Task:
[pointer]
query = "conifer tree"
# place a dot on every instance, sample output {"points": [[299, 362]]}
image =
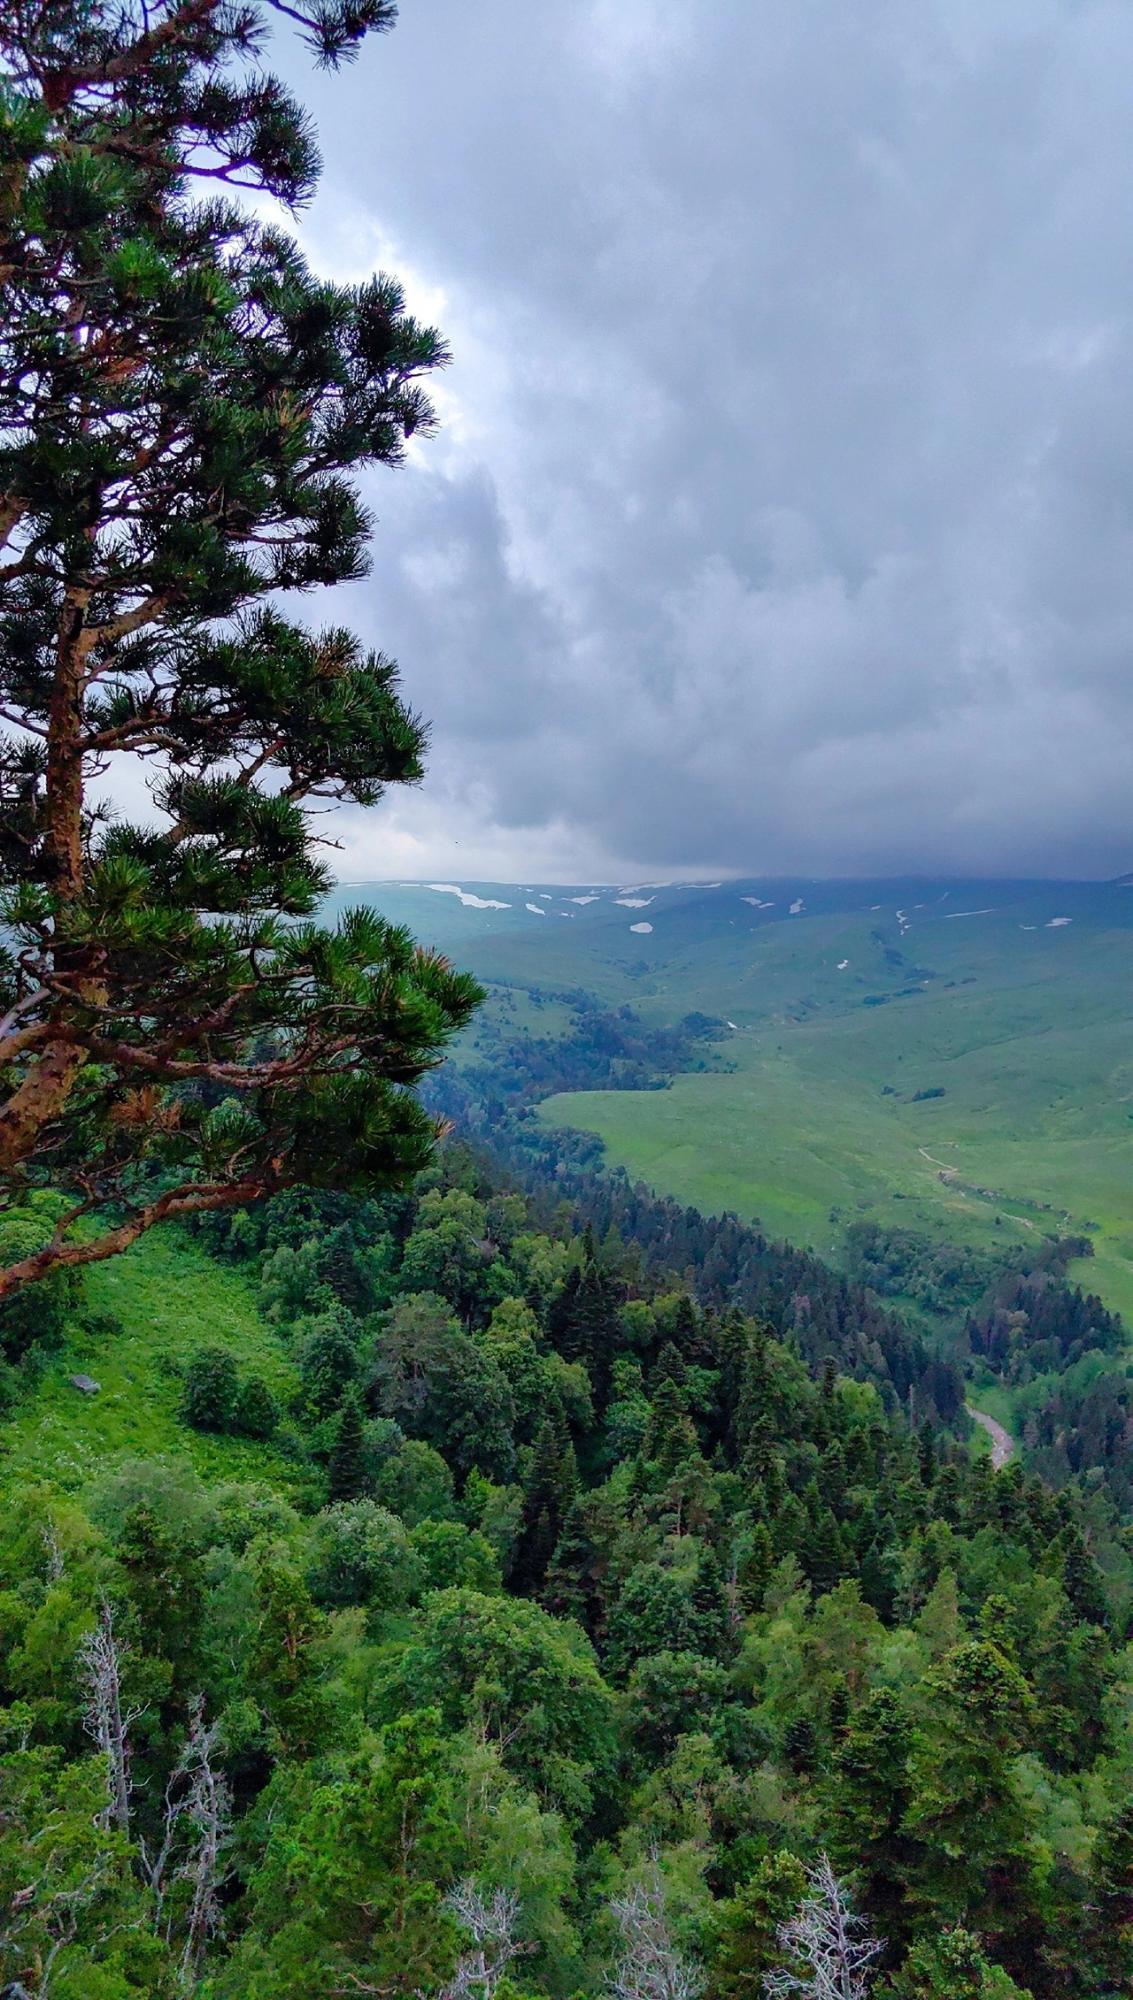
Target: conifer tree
{"points": [[548, 1497], [868, 1794], [745, 1928], [346, 1472], [670, 1437], [182, 408], [582, 1321], [754, 1566], [964, 1809], [1111, 1902], [1082, 1579], [954, 1966]]}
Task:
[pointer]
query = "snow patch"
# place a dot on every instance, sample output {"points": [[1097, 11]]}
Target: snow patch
{"points": [[951, 915], [842, 964], [584, 899], [470, 901], [641, 929], [757, 903], [634, 902], [733, 1025], [536, 909], [797, 907], [1057, 923]]}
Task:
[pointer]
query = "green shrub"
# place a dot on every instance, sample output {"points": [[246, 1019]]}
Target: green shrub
{"points": [[255, 1413], [208, 1399]]}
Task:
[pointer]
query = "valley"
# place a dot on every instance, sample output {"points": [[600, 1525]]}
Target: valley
{"points": [[948, 1057]]}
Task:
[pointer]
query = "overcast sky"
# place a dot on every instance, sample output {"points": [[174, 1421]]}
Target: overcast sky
{"points": [[782, 518]]}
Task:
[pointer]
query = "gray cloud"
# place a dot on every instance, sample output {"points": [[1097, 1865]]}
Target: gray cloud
{"points": [[783, 516]]}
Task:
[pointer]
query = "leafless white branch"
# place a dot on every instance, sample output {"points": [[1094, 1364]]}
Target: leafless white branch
{"points": [[197, 1799], [490, 1922], [100, 1659], [828, 1952], [650, 1966]]}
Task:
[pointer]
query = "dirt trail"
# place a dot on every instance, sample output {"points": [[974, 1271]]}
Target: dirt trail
{"points": [[1002, 1442], [952, 1175]]}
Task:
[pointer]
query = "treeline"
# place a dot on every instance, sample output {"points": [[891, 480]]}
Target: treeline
{"points": [[580, 1619], [600, 1049], [726, 1262], [722, 1260], [1080, 1426], [1034, 1322], [943, 1279], [1015, 1314]]}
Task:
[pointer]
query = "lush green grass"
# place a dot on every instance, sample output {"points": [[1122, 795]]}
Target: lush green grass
{"points": [[170, 1298], [844, 1010], [996, 1402], [1032, 1133]]}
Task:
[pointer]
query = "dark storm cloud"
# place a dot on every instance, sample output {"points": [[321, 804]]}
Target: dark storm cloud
{"points": [[783, 516]]}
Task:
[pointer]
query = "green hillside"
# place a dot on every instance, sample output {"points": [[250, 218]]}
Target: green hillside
{"points": [[145, 1314], [1009, 1001], [565, 1594]]}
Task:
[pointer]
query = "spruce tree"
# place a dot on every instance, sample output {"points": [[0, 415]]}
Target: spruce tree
{"points": [[182, 408], [868, 1794], [965, 1812], [754, 1566], [548, 1496], [346, 1470], [745, 1929], [1082, 1579], [582, 1322]]}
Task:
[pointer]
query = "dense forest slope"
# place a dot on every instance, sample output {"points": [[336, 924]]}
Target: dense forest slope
{"points": [[435, 1595]]}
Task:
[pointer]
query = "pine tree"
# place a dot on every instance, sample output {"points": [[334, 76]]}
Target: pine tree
{"points": [[346, 1470], [756, 1560], [579, 1579], [582, 1322], [822, 1553], [669, 1435], [878, 1573], [182, 406], [164, 1582]]}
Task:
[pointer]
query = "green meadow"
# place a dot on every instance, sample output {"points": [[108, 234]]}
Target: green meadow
{"points": [[1010, 1002], [158, 1303]]}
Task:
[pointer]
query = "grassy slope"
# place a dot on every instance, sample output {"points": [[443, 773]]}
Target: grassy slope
{"points": [[1024, 1027], [802, 1128], [170, 1298]]}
